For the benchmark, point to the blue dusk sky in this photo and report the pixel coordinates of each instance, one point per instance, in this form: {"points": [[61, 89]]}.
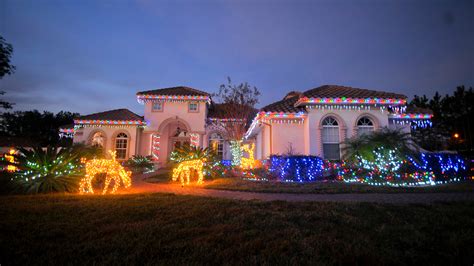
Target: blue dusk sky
{"points": [[90, 56]]}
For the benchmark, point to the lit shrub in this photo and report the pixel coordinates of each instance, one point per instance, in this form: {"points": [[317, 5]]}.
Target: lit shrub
{"points": [[47, 170], [139, 164], [296, 168]]}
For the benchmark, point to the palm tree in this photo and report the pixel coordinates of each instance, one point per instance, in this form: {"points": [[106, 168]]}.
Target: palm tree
{"points": [[390, 139]]}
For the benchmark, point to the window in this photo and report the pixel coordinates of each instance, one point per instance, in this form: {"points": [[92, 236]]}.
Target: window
{"points": [[330, 137], [193, 107], [157, 106], [216, 143], [98, 139], [364, 126], [121, 143]]}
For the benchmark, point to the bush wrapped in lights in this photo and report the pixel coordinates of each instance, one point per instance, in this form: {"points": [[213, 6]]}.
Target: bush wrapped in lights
{"points": [[445, 167], [296, 168]]}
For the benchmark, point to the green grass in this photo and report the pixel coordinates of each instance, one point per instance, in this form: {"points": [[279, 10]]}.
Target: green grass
{"points": [[238, 184], [168, 229]]}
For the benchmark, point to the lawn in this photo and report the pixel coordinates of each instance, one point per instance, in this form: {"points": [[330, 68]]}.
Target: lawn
{"points": [[168, 229], [238, 184]]}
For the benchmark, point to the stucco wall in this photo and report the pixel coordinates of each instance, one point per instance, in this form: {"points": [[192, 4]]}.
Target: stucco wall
{"points": [[84, 135], [347, 124], [176, 109], [285, 135]]}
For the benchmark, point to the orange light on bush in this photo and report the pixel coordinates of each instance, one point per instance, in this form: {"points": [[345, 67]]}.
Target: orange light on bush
{"points": [[113, 170], [456, 135], [186, 169], [9, 157]]}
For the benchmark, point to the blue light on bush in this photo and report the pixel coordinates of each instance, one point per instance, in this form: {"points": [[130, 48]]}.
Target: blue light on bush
{"points": [[296, 168]]}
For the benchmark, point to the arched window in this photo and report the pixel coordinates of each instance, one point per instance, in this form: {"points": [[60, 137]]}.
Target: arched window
{"points": [[365, 125], [330, 137], [216, 143], [98, 139], [121, 143]]}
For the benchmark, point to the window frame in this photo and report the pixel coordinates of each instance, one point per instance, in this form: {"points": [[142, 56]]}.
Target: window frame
{"points": [[157, 110], [189, 107], [360, 126], [124, 141], [220, 144], [325, 130]]}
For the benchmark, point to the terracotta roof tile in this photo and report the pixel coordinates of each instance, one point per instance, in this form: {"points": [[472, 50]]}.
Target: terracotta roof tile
{"points": [[327, 91], [418, 110], [334, 91], [117, 115], [180, 91]]}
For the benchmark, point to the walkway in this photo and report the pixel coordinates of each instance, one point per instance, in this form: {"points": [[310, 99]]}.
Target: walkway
{"points": [[139, 186]]}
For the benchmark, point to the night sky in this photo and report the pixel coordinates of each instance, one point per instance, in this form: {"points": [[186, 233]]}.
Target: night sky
{"points": [[94, 56]]}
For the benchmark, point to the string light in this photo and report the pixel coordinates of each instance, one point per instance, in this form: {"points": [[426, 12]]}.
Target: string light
{"points": [[113, 170], [348, 100], [194, 139], [296, 168], [155, 146], [11, 159], [109, 122], [186, 168], [144, 98], [236, 152]]}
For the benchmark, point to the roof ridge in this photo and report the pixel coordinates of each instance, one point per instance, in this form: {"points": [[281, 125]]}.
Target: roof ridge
{"points": [[157, 91]]}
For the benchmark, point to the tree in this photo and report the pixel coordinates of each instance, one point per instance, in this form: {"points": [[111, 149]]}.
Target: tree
{"points": [[6, 68], [237, 104], [451, 115], [40, 128]]}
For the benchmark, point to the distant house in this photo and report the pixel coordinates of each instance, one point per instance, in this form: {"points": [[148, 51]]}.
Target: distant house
{"points": [[313, 122]]}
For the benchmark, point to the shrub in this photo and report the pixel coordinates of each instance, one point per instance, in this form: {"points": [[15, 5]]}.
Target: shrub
{"points": [[444, 166], [296, 168], [48, 170], [139, 164]]}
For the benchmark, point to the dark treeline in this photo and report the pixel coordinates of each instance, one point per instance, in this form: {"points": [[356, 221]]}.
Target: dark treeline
{"points": [[453, 114], [35, 127]]}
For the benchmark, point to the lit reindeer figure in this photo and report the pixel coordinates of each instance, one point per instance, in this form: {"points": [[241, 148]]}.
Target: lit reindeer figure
{"points": [[113, 170], [186, 168], [248, 163]]}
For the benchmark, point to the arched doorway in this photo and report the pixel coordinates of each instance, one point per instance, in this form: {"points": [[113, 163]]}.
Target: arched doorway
{"points": [[174, 133]]}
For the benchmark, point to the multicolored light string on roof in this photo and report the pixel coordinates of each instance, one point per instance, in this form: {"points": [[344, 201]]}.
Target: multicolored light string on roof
{"points": [[349, 100], [110, 122], [143, 98]]}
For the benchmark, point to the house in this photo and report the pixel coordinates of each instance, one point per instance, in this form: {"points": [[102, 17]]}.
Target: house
{"points": [[317, 121], [314, 122], [172, 117]]}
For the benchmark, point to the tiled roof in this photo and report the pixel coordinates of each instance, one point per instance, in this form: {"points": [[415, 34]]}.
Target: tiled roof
{"points": [[287, 105], [335, 91], [117, 115], [180, 91]]}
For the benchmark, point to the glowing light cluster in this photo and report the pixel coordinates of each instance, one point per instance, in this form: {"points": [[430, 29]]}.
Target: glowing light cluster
{"points": [[296, 168], [248, 163], [236, 152], [143, 98], [186, 169], [66, 132], [348, 100], [11, 159], [155, 146], [194, 139], [113, 170], [384, 162], [109, 122], [412, 116]]}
